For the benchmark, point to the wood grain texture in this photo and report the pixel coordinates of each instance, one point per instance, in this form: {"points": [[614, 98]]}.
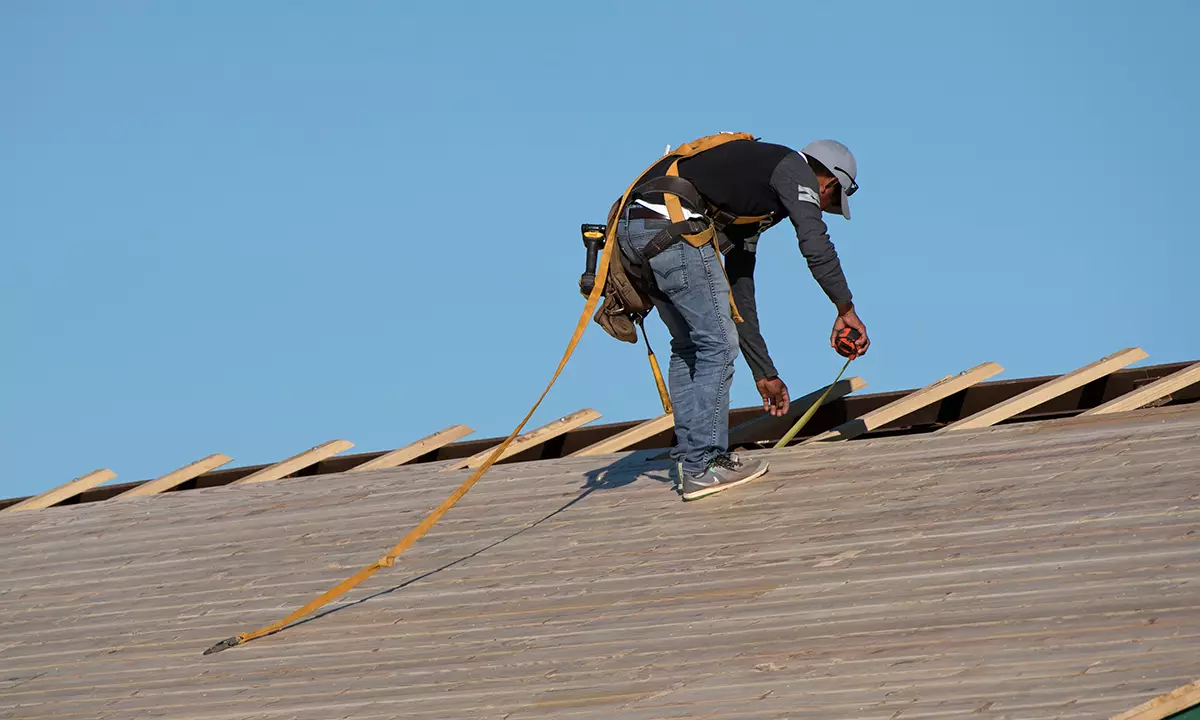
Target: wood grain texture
{"points": [[176, 477], [1041, 570], [1156, 390], [298, 462], [1165, 705], [415, 450], [633, 435], [529, 439], [1040, 394], [63, 492], [916, 400], [749, 431]]}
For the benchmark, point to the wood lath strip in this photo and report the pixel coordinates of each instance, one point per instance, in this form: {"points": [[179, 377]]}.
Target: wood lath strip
{"points": [[748, 431], [296, 463], [632, 436], [1165, 705], [1156, 390], [1048, 390], [176, 477], [415, 450], [893, 411], [65, 491], [529, 439]]}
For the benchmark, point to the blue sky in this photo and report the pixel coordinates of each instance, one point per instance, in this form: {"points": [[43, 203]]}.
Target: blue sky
{"points": [[252, 227]]}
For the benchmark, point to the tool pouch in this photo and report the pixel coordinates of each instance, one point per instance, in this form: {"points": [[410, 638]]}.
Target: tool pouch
{"points": [[626, 296]]}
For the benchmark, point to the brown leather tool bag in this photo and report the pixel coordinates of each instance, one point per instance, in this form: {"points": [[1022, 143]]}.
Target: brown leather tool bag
{"points": [[626, 295]]}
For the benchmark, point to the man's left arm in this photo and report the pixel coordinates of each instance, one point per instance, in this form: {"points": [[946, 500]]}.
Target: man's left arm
{"points": [[739, 266]]}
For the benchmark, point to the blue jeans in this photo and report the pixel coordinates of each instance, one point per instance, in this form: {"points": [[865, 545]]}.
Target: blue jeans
{"points": [[704, 341]]}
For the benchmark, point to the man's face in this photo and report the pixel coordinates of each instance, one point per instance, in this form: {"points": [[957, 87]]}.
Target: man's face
{"points": [[831, 193]]}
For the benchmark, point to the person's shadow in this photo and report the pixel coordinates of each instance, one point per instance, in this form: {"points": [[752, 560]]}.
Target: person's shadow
{"points": [[625, 470]]}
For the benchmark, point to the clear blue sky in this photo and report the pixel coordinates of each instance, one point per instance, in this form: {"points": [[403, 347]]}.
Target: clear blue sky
{"points": [[253, 227]]}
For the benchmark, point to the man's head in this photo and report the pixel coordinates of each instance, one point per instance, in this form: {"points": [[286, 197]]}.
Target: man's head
{"points": [[836, 169]]}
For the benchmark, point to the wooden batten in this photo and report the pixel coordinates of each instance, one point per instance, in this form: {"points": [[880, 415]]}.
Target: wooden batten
{"points": [[632, 436], [529, 439], [176, 477], [1048, 390], [415, 450], [1166, 705], [916, 400], [296, 463], [1156, 390], [65, 491]]}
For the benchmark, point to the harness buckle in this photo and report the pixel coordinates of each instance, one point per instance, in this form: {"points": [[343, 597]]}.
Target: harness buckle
{"points": [[721, 218]]}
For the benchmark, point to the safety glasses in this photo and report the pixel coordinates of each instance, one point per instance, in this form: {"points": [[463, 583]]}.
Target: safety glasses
{"points": [[852, 187]]}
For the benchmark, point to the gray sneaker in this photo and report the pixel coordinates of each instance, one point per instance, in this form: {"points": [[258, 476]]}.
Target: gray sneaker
{"points": [[724, 471], [678, 478]]}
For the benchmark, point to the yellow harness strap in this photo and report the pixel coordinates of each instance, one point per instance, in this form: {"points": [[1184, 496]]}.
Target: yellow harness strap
{"points": [[430, 520], [675, 210], [749, 219]]}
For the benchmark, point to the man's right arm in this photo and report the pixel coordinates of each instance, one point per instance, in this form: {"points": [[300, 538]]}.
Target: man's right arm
{"points": [[796, 184]]}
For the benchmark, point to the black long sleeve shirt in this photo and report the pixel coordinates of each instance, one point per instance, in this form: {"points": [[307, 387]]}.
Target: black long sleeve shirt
{"points": [[796, 186]]}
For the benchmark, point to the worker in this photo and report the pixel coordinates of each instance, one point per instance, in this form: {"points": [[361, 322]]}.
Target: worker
{"points": [[741, 178]]}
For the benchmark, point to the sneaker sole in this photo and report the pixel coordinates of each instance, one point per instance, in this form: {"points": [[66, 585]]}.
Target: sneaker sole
{"points": [[718, 488]]}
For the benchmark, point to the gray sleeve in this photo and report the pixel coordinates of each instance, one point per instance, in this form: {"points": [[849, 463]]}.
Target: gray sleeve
{"points": [[796, 184], [739, 266]]}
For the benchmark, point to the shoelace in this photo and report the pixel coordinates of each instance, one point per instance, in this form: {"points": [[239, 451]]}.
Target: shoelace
{"points": [[729, 462]]}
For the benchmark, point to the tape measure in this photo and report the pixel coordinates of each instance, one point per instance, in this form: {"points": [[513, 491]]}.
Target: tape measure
{"points": [[845, 342]]}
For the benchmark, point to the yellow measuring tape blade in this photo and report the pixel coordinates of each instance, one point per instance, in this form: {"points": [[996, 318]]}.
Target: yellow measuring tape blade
{"points": [[430, 520], [787, 438]]}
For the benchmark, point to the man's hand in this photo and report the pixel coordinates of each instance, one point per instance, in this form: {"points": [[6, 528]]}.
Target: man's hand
{"points": [[775, 396], [847, 317]]}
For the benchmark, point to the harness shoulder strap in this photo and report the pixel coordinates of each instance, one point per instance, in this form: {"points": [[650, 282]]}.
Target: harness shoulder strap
{"points": [[675, 210]]}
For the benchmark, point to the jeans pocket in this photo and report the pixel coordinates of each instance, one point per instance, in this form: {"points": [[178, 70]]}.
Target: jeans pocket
{"points": [[670, 270]]}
